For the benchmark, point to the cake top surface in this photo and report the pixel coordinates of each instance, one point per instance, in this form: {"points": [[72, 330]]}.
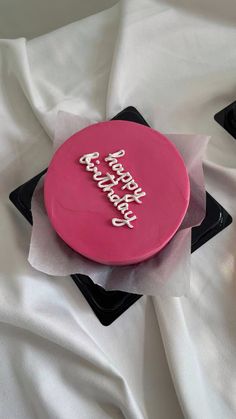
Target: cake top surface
{"points": [[116, 192]]}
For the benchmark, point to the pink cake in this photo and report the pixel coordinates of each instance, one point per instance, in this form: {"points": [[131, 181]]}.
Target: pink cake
{"points": [[116, 192]]}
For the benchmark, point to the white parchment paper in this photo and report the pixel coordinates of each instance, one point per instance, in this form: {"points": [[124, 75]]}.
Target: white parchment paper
{"points": [[167, 273]]}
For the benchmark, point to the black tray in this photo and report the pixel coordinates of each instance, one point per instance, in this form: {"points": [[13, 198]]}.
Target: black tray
{"points": [[108, 305], [227, 118]]}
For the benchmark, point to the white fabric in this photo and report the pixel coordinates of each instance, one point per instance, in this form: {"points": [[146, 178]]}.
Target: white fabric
{"points": [[177, 65]]}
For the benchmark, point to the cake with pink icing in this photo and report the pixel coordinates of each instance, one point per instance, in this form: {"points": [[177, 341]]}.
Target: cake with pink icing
{"points": [[116, 192]]}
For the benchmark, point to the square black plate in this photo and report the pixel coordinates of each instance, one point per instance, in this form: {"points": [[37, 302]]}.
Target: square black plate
{"points": [[108, 305], [227, 118]]}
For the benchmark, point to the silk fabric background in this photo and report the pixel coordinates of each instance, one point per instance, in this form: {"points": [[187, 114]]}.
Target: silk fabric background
{"points": [[164, 358]]}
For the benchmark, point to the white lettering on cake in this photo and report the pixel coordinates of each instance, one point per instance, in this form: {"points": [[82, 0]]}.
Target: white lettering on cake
{"points": [[107, 182]]}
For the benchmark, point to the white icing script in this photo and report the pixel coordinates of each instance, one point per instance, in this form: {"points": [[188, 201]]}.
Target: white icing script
{"points": [[107, 182]]}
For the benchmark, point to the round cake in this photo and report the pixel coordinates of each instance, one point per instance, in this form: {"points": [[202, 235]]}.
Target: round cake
{"points": [[116, 192]]}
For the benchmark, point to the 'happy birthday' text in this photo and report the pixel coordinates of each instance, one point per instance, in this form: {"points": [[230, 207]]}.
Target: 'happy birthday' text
{"points": [[133, 193]]}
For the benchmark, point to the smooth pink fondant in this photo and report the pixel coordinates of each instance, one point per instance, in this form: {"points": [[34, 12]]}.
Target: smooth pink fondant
{"points": [[81, 213]]}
